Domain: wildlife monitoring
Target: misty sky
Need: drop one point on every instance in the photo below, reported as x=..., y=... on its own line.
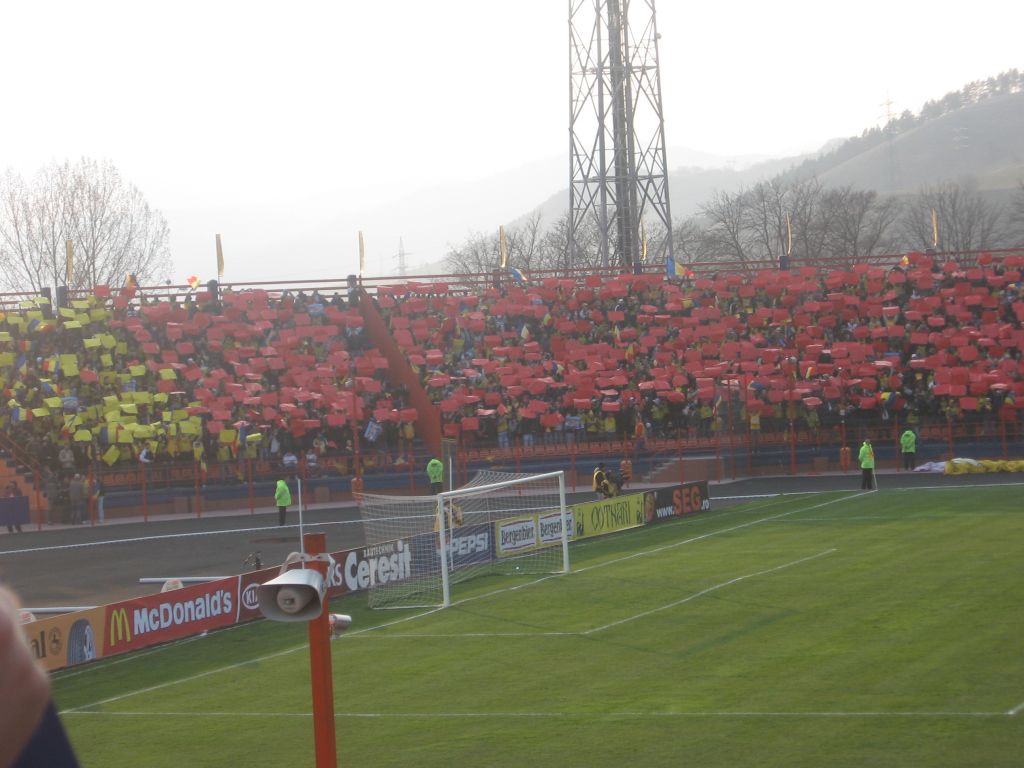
x=310, y=115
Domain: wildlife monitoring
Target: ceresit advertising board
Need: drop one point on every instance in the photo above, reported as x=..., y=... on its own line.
x=68, y=639
x=361, y=568
x=145, y=621
x=596, y=518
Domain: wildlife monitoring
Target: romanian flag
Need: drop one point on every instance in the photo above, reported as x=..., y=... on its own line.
x=905, y=261
x=193, y=282
x=676, y=268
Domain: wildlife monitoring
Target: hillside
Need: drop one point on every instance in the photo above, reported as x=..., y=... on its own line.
x=983, y=142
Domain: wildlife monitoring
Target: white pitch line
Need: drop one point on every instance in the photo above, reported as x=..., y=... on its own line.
x=162, y=536
x=541, y=715
x=229, y=667
x=584, y=633
x=1016, y=710
x=114, y=661
x=504, y=590
x=104, y=663
x=188, y=679
x=849, y=517
x=708, y=535
x=287, y=651
x=703, y=592
x=769, y=495
x=463, y=635
x=972, y=486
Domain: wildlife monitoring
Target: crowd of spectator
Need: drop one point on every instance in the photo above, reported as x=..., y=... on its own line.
x=121, y=378
x=642, y=356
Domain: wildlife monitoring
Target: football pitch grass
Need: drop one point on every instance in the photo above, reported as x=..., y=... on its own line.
x=817, y=629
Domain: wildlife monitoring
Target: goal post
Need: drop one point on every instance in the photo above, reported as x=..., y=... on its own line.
x=497, y=524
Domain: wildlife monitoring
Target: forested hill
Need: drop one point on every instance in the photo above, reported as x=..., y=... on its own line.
x=975, y=134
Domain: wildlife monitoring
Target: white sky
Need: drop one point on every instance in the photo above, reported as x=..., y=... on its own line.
x=327, y=107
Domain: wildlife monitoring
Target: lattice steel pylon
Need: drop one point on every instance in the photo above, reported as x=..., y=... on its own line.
x=617, y=163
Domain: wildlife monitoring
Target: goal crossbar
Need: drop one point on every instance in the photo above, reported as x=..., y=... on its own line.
x=497, y=524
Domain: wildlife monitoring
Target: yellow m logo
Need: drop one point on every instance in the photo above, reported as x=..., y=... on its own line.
x=120, y=629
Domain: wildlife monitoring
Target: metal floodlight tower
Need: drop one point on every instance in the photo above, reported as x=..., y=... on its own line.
x=617, y=165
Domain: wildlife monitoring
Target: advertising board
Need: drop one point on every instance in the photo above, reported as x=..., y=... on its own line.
x=676, y=501
x=144, y=621
x=75, y=638
x=596, y=518
x=68, y=639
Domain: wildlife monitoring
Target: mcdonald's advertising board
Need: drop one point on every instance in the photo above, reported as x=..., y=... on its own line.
x=68, y=639
x=144, y=621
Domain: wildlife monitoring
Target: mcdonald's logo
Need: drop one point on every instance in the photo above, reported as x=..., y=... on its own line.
x=120, y=629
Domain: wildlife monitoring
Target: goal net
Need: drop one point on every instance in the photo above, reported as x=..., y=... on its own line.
x=497, y=524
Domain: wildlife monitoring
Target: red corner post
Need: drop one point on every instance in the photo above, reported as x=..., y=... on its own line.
x=320, y=666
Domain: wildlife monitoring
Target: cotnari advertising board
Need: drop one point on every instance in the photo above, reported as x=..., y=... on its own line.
x=596, y=518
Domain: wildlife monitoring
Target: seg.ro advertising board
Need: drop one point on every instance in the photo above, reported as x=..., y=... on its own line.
x=676, y=501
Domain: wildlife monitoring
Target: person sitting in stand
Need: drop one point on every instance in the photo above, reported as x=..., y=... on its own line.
x=312, y=467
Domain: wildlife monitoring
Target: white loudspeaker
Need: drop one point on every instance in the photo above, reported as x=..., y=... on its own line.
x=340, y=622
x=295, y=595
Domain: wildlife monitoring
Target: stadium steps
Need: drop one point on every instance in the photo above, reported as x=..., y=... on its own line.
x=11, y=470
x=694, y=468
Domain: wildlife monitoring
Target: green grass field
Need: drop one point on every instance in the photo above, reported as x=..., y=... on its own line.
x=833, y=629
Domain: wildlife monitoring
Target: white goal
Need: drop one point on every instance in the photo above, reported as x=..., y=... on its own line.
x=497, y=524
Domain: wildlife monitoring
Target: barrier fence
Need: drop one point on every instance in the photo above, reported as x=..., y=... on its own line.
x=727, y=448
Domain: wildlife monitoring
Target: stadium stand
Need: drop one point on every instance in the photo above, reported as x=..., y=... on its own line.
x=633, y=364
x=771, y=352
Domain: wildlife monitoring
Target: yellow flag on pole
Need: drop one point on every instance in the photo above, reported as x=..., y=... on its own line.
x=643, y=244
x=789, y=235
x=935, y=229
x=220, y=260
x=362, y=254
x=69, y=250
x=503, y=247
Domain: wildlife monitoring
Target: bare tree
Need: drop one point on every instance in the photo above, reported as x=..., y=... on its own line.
x=530, y=247
x=113, y=229
x=859, y=223
x=1015, y=217
x=766, y=219
x=966, y=221
x=728, y=216
x=480, y=253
